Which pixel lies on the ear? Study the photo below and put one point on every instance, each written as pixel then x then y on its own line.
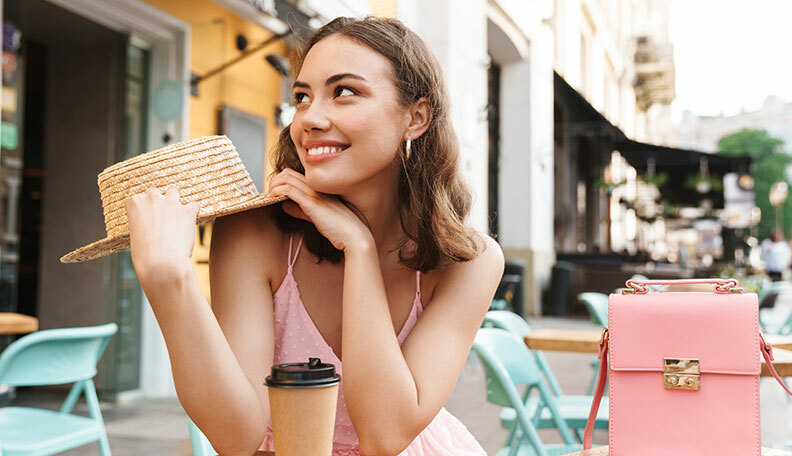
pixel 420 116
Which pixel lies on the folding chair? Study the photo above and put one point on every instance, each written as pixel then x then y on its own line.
pixel 53 357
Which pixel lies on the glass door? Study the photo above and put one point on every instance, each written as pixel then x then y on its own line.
pixel 128 294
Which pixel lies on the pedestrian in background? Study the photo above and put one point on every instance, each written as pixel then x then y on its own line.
pixel 776 255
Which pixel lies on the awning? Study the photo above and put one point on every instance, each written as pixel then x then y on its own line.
pixel 680 167
pixel 643 156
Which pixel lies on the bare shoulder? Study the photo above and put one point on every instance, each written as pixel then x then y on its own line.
pixel 488 263
pixel 249 239
pixel 481 274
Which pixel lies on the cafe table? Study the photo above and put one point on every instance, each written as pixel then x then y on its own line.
pixel 603 451
pixel 587 341
pixel 14 323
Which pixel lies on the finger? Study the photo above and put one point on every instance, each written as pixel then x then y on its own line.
pixel 193 208
pixel 130 203
pixel 293 209
pixel 296 194
pixel 172 193
pixel 152 191
pixel 288 179
pixel 280 177
pixel 288 173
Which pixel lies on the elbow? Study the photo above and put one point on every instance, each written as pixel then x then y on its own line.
pixel 379 449
pixel 235 444
pixel 384 445
pixel 235 449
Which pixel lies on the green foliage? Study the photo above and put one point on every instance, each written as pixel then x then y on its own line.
pixel 658 180
pixel 768 167
pixel 715 185
pixel 751 283
pixel 754 143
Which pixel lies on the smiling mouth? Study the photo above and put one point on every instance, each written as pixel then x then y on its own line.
pixel 317 151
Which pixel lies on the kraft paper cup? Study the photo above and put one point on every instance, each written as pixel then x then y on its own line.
pixel 303 398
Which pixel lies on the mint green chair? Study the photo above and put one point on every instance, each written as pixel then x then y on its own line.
pixel 772 286
pixel 574 409
pixel 54 357
pixel 769 320
pixel 517 325
pixel 200 444
pixel 597 306
pixel 508 364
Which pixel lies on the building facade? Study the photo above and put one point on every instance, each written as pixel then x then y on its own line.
pixel 703 132
pixel 550 84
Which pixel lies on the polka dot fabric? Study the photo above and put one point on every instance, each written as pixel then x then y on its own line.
pixel 296 338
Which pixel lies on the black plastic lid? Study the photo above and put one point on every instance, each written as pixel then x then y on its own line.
pixel 313 374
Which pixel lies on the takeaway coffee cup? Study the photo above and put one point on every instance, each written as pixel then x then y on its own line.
pixel 303 399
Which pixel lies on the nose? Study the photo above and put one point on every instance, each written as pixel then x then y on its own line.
pixel 315 117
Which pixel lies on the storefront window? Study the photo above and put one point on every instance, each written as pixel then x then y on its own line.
pixel 11 166
pixel 128 293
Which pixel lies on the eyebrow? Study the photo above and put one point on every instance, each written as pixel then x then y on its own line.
pixel 331 80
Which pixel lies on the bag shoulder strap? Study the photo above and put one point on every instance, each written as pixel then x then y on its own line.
pixel 601 376
pixel 767 353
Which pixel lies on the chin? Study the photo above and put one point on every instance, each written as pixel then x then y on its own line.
pixel 323 183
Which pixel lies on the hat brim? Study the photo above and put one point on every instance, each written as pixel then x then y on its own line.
pixel 115 244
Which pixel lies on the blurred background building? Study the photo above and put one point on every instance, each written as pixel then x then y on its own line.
pixel 703 132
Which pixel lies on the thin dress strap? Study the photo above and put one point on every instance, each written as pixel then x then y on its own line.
pixel 291 260
pixel 418 283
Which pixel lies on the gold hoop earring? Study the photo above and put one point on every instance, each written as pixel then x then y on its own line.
pixel 407 148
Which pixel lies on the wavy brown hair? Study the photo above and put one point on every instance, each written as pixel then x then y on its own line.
pixel 433 198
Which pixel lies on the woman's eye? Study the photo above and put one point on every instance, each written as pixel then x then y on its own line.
pixel 301 97
pixel 342 91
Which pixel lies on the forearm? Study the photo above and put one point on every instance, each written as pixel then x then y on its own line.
pixel 380 391
pixel 211 385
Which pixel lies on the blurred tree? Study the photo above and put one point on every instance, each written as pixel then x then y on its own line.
pixel 769 164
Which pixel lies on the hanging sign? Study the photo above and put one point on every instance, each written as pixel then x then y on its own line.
pixel 9 98
pixel 9 136
pixel 12 36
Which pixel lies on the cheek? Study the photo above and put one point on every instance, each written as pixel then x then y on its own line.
pixel 376 132
pixel 294 131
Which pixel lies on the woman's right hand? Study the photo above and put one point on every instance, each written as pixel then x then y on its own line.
pixel 161 235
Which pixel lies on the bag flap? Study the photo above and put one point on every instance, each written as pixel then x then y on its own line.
pixel 720 330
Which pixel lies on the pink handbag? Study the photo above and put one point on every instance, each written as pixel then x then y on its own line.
pixel 683 369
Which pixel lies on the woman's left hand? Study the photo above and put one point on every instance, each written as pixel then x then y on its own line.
pixel 331 217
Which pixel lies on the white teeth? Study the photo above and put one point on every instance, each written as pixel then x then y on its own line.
pixel 323 150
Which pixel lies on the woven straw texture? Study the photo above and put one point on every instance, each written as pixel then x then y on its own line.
pixel 207 170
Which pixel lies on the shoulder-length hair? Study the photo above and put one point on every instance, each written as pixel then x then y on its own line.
pixel 433 198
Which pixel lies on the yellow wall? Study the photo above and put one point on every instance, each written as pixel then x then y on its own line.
pixel 383 8
pixel 250 85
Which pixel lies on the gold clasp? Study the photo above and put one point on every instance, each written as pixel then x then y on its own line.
pixel 681 374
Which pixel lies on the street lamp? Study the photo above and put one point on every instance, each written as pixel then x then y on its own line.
pixel 778 194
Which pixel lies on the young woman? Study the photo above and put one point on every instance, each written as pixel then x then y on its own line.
pixel 369 265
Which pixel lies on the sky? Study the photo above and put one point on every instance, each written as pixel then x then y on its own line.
pixel 730 54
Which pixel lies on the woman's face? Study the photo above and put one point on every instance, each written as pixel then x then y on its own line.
pixel 349 125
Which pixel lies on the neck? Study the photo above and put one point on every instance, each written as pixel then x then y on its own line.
pixel 381 211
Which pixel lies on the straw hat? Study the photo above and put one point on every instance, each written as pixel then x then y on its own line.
pixel 207 170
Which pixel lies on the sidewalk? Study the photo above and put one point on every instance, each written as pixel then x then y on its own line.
pixel 159 427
